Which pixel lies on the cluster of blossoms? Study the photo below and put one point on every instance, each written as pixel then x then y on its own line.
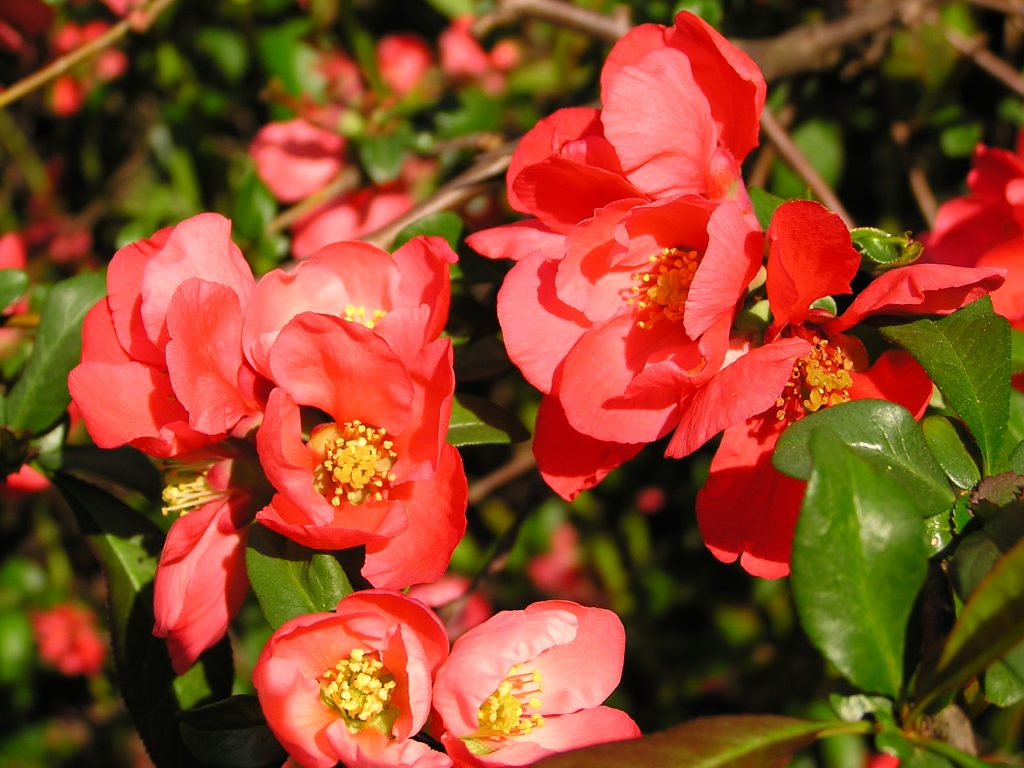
pixel 315 400
pixel 627 306
pixel 358 684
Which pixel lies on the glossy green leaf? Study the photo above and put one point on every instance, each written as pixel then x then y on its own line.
pixel 880 250
pixel 443 224
pixel 765 204
pixel 949 450
pixel 974 378
pixel 41 396
pixel 289 579
pixel 127 547
pixel 231 734
pixel 859 560
pixel 734 741
pixel 476 421
pixel 13 283
pixel 881 433
pixel 990 624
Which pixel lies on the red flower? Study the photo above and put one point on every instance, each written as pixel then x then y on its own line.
pixel 403 61
pixel 69 639
pixel 296 158
pixel 378 472
pixel 527 684
pixel 162 366
pixel 460 611
pixel 354 685
pixel 747 509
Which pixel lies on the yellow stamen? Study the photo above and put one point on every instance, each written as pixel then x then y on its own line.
pixel 819 379
pixel 187 486
pixel 661 291
pixel 358 688
pixel 505 712
pixel 355 462
pixel 359 315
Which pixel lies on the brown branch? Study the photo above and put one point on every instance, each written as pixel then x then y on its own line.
pixel 347 180
pixel 522 461
pixel 597 25
pixel 796 160
pixel 975 50
pixel 137 22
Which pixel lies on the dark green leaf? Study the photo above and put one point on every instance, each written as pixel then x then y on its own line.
pixel 859 560
pixel 254 207
pixel 881 433
pixel 974 378
pixel 1016 350
pixel 231 734
pixel 289 579
pixel 13 283
pixel 947 447
pixel 765 204
pixel 476 421
pixel 383 154
pixel 880 250
pixel 737 741
pixel 41 396
pixel 128 546
pixel 443 224
pixel 990 624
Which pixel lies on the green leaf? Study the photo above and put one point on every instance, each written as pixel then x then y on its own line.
pixel 765 204
pixel 859 544
pixel 949 450
pixel 732 741
pixel 1016 351
pixel 41 396
pixel 13 283
pixel 880 250
pixel 231 734
pixel 254 207
pixel 382 155
pixel 127 547
pixel 821 142
pixel 881 433
pixel 443 224
pixel 990 624
pixel 974 378
pixel 289 579
pixel 476 421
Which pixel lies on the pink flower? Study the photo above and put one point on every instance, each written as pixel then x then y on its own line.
pixel 403 61
pixel 560 572
pixel 747 509
pixel 162 366
pixel 462 56
pixel 459 611
pixel 201 578
pixel 70 90
pixel 348 217
pixel 69 639
pixel 354 685
pixel 527 684
pixel 296 158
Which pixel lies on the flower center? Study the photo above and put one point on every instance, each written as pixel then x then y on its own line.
pixel 187 486
pixel 661 291
pixel 360 315
pixel 355 462
pixel 358 688
pixel 821 378
pixel 504 712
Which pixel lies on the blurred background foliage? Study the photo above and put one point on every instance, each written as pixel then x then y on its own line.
pixel 890 124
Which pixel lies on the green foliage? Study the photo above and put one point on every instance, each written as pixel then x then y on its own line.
pixel 13 283
pixel 289 579
pixel 476 421
pixel 442 224
pixel 880 250
pixel 231 733
pixel 974 378
pixel 946 446
pixel 859 544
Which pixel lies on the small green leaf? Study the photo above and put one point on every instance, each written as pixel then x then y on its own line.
pixel 476 421
pixel 383 154
pixel 13 283
pixel 41 396
pixel 731 741
pixel 880 250
pixel 990 624
pixel 882 433
pixel 289 579
pixel 254 207
pixel 974 378
pixel 127 547
pixel 859 544
pixel 443 224
pixel 949 451
pixel 231 734
pixel 765 204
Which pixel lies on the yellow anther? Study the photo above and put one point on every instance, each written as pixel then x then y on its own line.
pixel 358 688
pixel 504 712
pixel 355 462
pixel 819 379
pixel 360 315
pixel 187 486
pixel 661 291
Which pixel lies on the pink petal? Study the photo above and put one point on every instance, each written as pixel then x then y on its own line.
pixel 1008 299
pixel 423 265
pixel 895 376
pixel 296 158
pixel 99 339
pixel 810 256
pixel 517 241
pixel 294 711
pixel 124 288
pixel 347 218
pixel 919 289
pixel 629 49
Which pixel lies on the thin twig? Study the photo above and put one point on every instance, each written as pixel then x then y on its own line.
pixel 347 180
pixel 522 461
pixel 138 22
pixel 975 50
pixel 597 25
pixel 796 160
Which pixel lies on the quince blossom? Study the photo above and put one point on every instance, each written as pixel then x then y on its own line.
pixel 528 684
pixel 354 685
